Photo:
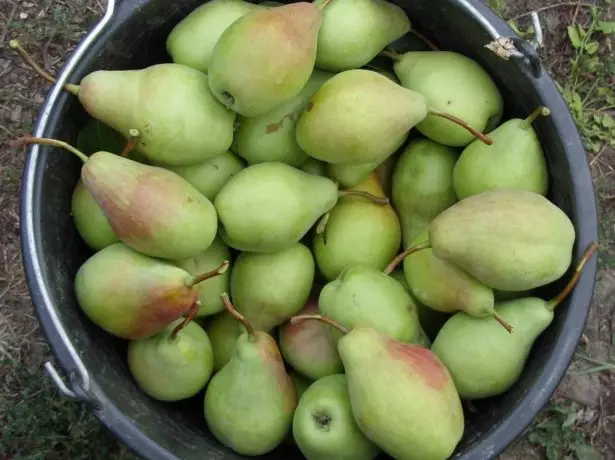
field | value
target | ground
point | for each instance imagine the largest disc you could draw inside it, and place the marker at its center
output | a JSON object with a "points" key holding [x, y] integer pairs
{"points": [[36, 423]]}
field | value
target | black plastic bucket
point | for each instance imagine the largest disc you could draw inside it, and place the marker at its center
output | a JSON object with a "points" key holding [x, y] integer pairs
{"points": [[132, 34]]}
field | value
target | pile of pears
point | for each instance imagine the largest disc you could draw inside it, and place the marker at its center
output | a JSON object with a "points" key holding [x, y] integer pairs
{"points": [[320, 238]]}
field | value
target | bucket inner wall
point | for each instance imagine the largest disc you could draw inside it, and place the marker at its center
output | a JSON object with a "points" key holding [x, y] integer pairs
{"points": [[135, 39]]}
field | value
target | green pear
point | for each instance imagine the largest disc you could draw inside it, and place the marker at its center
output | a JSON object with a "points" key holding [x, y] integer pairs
{"points": [[223, 331], [265, 58], [300, 383], [422, 185], [323, 424], [179, 120], [444, 286], [133, 296], [350, 175], [271, 137], [395, 388], [515, 160], [249, 403], [89, 219], [174, 364], [353, 32], [358, 116], [453, 84], [209, 292], [358, 231], [269, 207], [269, 288], [362, 295], [192, 40], [315, 167], [210, 176], [512, 240], [483, 359], [309, 346], [431, 321]]}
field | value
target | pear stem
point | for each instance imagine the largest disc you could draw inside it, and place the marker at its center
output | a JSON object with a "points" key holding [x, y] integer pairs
{"points": [[193, 281], [189, 317], [539, 112], [133, 139], [238, 316], [398, 260], [14, 44], [324, 319], [575, 278], [373, 198], [476, 133], [392, 54], [502, 321], [54, 142], [427, 41]]}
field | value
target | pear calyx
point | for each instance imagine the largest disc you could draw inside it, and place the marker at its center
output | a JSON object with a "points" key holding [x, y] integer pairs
{"points": [[551, 304]]}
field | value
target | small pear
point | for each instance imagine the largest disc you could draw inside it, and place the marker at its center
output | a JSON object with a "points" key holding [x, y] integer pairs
{"points": [[444, 286], [133, 296], [174, 364], [358, 231], [455, 84], [152, 210], [309, 347], [209, 292], [89, 219], [323, 424], [353, 32], [209, 177], [249, 403], [515, 160], [271, 137], [269, 207], [485, 361], [402, 396], [423, 185], [223, 331], [265, 58], [269, 288], [192, 40], [362, 295]]}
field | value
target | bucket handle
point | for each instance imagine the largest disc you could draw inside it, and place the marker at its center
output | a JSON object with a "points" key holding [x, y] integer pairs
{"points": [[79, 387]]}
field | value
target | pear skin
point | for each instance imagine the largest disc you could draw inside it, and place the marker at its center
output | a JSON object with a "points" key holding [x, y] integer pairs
{"points": [[393, 386], [223, 331], [269, 288], [249, 403], [204, 26], [210, 290], [130, 295], [423, 185], [444, 286], [351, 175], [269, 207], [315, 167], [511, 240], [323, 424], [358, 232], [514, 160], [271, 137], [358, 116], [362, 295], [171, 366], [300, 382], [353, 32], [152, 210], [265, 58], [179, 120], [210, 176], [309, 347], [455, 84], [89, 219]]}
